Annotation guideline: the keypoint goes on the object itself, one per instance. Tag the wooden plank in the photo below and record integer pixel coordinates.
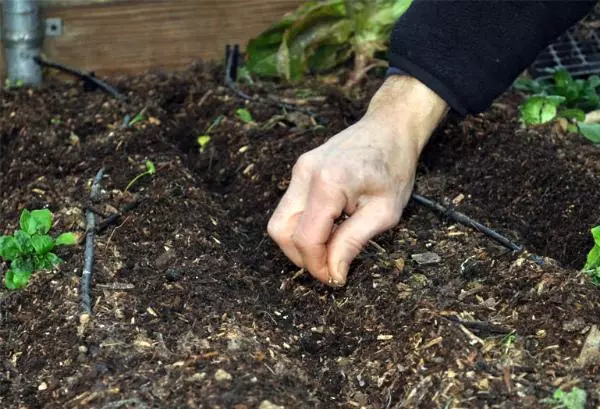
(133, 36)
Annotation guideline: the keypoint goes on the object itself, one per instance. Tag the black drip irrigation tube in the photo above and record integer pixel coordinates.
(465, 220)
(89, 79)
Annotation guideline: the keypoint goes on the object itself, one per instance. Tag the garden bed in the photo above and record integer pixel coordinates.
(195, 307)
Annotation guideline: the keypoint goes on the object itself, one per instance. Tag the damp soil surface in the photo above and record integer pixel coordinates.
(195, 307)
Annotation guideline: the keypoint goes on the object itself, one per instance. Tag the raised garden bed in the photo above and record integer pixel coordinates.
(195, 307)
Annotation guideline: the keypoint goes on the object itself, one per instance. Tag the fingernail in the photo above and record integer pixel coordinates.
(342, 272)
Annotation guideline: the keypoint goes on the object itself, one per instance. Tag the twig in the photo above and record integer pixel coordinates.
(465, 220)
(481, 326)
(86, 276)
(112, 219)
(85, 76)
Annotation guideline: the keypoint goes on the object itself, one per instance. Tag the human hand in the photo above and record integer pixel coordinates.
(366, 171)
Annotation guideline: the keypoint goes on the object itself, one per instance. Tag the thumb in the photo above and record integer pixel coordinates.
(351, 236)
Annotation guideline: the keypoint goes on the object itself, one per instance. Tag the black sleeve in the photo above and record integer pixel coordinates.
(470, 51)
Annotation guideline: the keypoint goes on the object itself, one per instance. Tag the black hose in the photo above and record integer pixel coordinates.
(84, 76)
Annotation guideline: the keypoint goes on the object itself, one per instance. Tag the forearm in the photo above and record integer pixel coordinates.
(469, 52)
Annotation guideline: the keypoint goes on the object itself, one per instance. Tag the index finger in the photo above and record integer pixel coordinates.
(324, 205)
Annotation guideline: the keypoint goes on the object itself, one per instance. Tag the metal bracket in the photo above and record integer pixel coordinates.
(53, 27)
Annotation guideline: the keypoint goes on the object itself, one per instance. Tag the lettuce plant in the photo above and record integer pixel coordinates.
(562, 97)
(320, 35)
(29, 249)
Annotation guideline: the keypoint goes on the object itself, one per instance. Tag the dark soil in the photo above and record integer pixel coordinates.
(195, 307)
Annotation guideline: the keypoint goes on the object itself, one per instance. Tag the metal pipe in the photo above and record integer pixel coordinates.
(22, 37)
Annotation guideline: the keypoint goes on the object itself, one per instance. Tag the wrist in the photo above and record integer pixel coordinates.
(409, 107)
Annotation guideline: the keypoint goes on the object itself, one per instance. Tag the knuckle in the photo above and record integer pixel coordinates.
(303, 165)
(274, 229)
(332, 175)
(299, 240)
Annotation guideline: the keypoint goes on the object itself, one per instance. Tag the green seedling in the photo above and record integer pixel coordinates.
(150, 170)
(508, 341)
(244, 115)
(139, 117)
(575, 399)
(204, 140)
(29, 249)
(321, 35)
(592, 265)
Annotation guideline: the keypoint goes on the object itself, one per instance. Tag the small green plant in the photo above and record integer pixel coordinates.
(575, 399)
(204, 139)
(508, 341)
(562, 97)
(321, 35)
(139, 117)
(592, 265)
(150, 170)
(29, 249)
(244, 115)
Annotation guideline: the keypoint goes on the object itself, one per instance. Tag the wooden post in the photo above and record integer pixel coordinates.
(128, 37)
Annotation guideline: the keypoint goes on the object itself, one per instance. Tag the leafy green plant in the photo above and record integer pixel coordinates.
(244, 115)
(562, 97)
(575, 399)
(320, 35)
(150, 170)
(29, 249)
(592, 265)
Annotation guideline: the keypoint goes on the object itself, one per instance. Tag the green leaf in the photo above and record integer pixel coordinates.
(262, 51)
(9, 248)
(324, 24)
(593, 258)
(244, 115)
(42, 243)
(373, 21)
(540, 109)
(49, 261)
(151, 169)
(575, 399)
(16, 280)
(572, 128)
(567, 87)
(572, 113)
(24, 241)
(22, 265)
(66, 239)
(590, 131)
(203, 141)
(531, 85)
(36, 221)
(329, 56)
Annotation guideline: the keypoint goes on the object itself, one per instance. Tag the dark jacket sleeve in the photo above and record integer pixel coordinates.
(470, 51)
